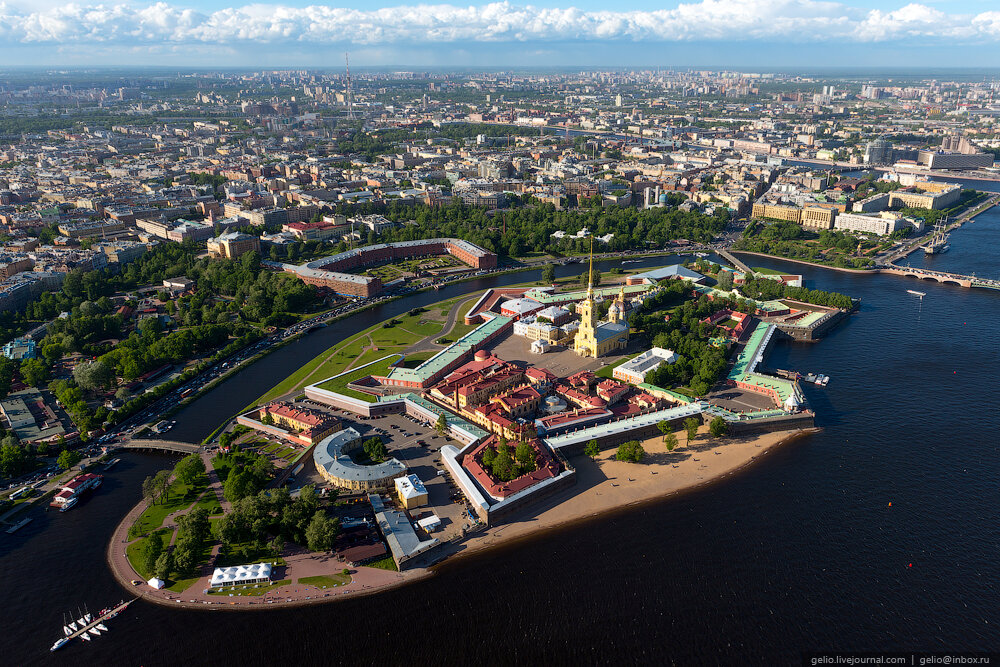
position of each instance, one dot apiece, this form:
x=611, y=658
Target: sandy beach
x=605, y=484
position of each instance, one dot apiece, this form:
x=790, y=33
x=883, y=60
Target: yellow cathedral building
x=593, y=338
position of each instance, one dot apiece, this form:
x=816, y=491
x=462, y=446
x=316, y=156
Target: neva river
x=801, y=552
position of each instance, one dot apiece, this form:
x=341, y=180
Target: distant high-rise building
x=878, y=152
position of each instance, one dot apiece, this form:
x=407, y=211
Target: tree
x=321, y=532
x=12, y=458
x=239, y=484
x=630, y=451
x=664, y=428
x=592, y=449
x=189, y=469
x=149, y=488
x=441, y=425
x=525, y=456
x=68, y=458
x=489, y=455
x=725, y=281
x=267, y=419
x=549, y=274
x=151, y=550
x=376, y=450
x=34, y=372
x=718, y=427
x=164, y=564
x=161, y=484
x=670, y=440
x=93, y=375
x=123, y=394
x=691, y=425
x=503, y=465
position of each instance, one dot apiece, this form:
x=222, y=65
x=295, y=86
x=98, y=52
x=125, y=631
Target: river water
x=880, y=532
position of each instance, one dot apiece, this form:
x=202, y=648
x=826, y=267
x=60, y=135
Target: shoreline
x=870, y=272
x=601, y=491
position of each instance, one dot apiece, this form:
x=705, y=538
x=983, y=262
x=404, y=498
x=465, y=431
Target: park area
x=408, y=268
x=420, y=333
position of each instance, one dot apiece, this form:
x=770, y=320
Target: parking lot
x=418, y=446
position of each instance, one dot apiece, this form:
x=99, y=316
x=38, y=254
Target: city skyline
x=708, y=33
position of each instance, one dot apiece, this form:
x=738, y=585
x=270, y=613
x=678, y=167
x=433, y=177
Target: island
x=466, y=424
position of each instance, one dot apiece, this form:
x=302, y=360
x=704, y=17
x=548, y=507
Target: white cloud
x=798, y=21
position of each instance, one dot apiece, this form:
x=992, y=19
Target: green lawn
x=417, y=358
x=134, y=552
x=181, y=585
x=395, y=336
x=767, y=272
x=457, y=331
x=343, y=353
x=209, y=502
x=386, y=563
x=179, y=496
x=608, y=371
x=339, y=384
x=326, y=580
x=250, y=589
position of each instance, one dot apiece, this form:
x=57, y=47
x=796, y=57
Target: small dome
x=482, y=355
x=663, y=198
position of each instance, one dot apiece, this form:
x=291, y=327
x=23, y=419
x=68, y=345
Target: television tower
x=350, y=96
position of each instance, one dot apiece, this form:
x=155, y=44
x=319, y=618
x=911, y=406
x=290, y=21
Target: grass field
x=326, y=580
x=608, y=371
x=179, y=496
x=339, y=384
x=134, y=552
x=386, y=563
x=209, y=502
x=250, y=589
x=767, y=272
x=406, y=330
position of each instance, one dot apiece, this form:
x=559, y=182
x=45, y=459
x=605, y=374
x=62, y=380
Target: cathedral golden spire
x=590, y=276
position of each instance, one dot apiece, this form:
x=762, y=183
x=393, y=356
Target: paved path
x=427, y=342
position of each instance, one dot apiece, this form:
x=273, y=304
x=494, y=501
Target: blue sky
x=736, y=33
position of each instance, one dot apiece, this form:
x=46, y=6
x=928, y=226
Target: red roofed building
x=311, y=425
x=496, y=420
x=583, y=379
x=734, y=332
x=611, y=391
x=546, y=464
x=520, y=401
x=540, y=377
x=578, y=398
x=563, y=421
x=313, y=231
x=476, y=382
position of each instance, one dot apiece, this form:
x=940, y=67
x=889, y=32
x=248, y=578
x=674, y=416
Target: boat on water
x=74, y=489
x=19, y=525
x=916, y=293
x=819, y=379
x=809, y=377
x=86, y=627
x=110, y=464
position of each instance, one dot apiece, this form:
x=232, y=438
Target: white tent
x=157, y=583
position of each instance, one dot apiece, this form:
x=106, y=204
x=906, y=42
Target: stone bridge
x=922, y=274
x=162, y=445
